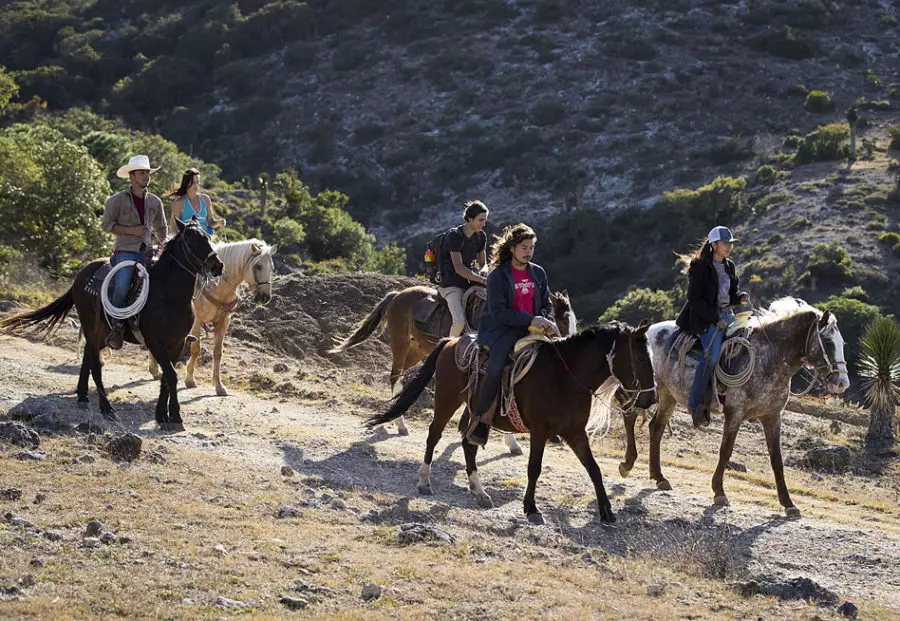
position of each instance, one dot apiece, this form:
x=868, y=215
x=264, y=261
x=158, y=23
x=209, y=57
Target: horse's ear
x=180, y=225
x=272, y=249
x=195, y=219
x=642, y=329
x=826, y=317
x=564, y=293
x=254, y=248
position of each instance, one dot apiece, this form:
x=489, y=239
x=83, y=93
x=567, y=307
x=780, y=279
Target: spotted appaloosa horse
x=786, y=336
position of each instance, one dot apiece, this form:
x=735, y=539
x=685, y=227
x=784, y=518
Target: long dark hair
x=474, y=209
x=186, y=180
x=701, y=252
x=509, y=238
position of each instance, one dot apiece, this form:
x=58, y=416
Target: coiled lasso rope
x=730, y=350
x=126, y=311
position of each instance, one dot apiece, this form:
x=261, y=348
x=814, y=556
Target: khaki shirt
x=120, y=210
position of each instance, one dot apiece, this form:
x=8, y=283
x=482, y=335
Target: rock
x=156, y=457
x=93, y=528
x=848, y=609
x=17, y=521
x=11, y=493
x=19, y=434
x=123, y=539
x=36, y=562
x=736, y=466
x=39, y=498
x=794, y=588
x=326, y=497
x=27, y=581
x=90, y=429
x=413, y=532
x=371, y=592
x=220, y=550
x=339, y=504
x=287, y=471
x=835, y=427
x=280, y=367
x=10, y=590
x=31, y=455
x=224, y=602
x=294, y=603
x=126, y=447
x=108, y=538
x=49, y=535
x=87, y=458
x=833, y=458
x=90, y=542
x=287, y=512
x=656, y=589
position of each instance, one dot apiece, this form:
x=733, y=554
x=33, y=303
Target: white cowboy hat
x=138, y=162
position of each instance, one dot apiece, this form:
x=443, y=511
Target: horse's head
x=198, y=250
x=260, y=271
x=563, y=313
x=825, y=351
x=633, y=367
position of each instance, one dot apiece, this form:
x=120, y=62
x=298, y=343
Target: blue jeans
x=712, y=344
x=499, y=356
x=122, y=279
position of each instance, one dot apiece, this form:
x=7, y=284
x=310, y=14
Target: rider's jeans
x=122, y=281
x=711, y=340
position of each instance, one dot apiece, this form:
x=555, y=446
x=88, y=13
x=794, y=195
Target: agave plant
x=879, y=365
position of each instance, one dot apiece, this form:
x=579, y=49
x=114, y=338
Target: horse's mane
x=784, y=309
x=235, y=253
x=606, y=332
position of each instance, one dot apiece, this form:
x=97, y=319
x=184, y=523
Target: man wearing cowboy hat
x=129, y=215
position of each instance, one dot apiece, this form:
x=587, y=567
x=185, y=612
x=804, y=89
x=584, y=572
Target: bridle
x=195, y=265
x=833, y=367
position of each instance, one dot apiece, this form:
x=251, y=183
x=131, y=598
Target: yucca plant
x=879, y=365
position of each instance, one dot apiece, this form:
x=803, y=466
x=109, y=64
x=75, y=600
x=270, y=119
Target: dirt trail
x=848, y=539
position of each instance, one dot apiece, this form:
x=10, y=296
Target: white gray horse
x=785, y=337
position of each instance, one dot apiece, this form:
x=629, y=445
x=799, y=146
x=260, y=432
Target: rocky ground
x=276, y=498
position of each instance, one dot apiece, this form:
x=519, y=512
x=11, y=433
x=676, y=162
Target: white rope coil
x=730, y=350
x=126, y=311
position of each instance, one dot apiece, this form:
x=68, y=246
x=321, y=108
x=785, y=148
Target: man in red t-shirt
x=518, y=296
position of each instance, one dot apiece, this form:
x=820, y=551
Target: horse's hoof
x=190, y=382
x=485, y=502
x=162, y=426
x=176, y=427
x=721, y=501
x=624, y=470
x=516, y=451
x=111, y=416
x=607, y=516
x=664, y=485
x=403, y=431
x=792, y=512
x=221, y=391
x=536, y=518
x=425, y=490
x=84, y=405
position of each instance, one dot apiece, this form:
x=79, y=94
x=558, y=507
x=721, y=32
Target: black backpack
x=436, y=248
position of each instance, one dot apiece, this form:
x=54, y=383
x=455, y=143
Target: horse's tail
x=404, y=400
x=54, y=314
x=367, y=326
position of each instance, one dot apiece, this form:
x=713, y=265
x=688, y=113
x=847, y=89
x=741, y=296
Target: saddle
x=96, y=283
x=431, y=315
x=472, y=359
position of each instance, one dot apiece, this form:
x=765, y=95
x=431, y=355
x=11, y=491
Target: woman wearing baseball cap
x=712, y=290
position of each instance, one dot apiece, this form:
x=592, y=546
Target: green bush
x=872, y=78
x=288, y=232
x=830, y=262
x=732, y=150
x=818, y=102
x=765, y=174
x=785, y=43
x=853, y=316
x=8, y=88
x=894, y=131
x=828, y=142
x=719, y=200
x=892, y=240
x=640, y=304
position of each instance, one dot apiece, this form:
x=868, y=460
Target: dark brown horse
x=554, y=398
x=410, y=346
x=165, y=320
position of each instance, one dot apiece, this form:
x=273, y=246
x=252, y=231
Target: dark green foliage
x=785, y=42
x=828, y=142
x=853, y=316
x=732, y=150
x=830, y=262
x=818, y=102
x=894, y=131
x=640, y=304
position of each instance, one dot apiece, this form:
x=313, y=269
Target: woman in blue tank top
x=190, y=203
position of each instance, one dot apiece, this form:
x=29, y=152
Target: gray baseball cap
x=721, y=233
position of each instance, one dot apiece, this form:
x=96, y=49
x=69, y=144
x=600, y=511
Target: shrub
x=288, y=232
x=894, y=131
x=828, y=142
x=785, y=43
x=732, y=150
x=818, y=102
x=872, y=78
x=892, y=240
x=640, y=304
x=856, y=293
x=765, y=174
x=830, y=262
x=853, y=316
x=801, y=222
x=719, y=200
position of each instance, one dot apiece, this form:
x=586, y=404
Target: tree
x=8, y=88
x=640, y=304
x=880, y=366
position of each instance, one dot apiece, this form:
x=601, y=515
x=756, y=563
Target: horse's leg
x=153, y=367
x=400, y=349
x=219, y=339
x=97, y=373
x=471, y=453
x=631, y=445
x=535, y=458
x=729, y=435
x=445, y=405
x=189, y=380
x=82, y=390
x=772, y=426
x=581, y=445
x=664, y=408
x=512, y=444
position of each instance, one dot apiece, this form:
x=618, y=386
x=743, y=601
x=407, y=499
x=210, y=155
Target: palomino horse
x=248, y=261
x=554, y=398
x=164, y=321
x=785, y=337
x=410, y=346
